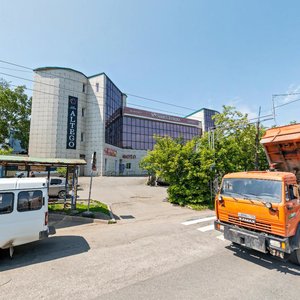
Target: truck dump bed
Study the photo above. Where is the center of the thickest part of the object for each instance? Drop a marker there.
(282, 147)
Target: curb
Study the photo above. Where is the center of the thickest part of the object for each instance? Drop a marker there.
(112, 218)
(81, 219)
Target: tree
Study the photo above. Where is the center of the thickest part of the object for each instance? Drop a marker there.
(6, 151)
(15, 108)
(191, 168)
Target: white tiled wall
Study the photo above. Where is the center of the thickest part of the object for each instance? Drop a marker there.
(48, 131)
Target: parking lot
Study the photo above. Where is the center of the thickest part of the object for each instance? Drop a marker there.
(154, 251)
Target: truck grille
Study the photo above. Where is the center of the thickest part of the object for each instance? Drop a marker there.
(260, 226)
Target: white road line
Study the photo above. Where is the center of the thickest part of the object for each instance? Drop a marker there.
(221, 237)
(206, 228)
(191, 222)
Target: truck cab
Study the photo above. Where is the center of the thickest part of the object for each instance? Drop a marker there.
(261, 209)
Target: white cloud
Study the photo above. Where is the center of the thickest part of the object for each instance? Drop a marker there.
(293, 88)
(244, 108)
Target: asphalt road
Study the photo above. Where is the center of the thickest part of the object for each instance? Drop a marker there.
(153, 252)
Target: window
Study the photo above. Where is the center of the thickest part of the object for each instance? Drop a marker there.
(83, 87)
(30, 200)
(82, 136)
(6, 203)
(128, 166)
(290, 193)
(55, 181)
(97, 87)
(83, 112)
(256, 189)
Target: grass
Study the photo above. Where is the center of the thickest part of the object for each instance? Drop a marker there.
(81, 206)
(201, 206)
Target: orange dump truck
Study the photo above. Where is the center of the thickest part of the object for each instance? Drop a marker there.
(261, 209)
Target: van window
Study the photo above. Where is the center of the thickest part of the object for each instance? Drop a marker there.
(6, 203)
(55, 181)
(30, 200)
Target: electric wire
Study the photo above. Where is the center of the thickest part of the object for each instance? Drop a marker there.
(89, 102)
(129, 94)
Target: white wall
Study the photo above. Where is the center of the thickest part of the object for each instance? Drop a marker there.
(199, 116)
(134, 170)
(95, 124)
(48, 128)
(48, 131)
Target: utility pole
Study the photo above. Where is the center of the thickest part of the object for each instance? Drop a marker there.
(211, 143)
(257, 140)
(273, 104)
(88, 213)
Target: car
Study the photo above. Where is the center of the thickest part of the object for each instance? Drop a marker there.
(22, 174)
(57, 187)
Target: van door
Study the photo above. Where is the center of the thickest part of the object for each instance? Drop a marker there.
(7, 218)
(30, 213)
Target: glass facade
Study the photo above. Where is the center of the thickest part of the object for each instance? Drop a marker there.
(113, 122)
(208, 121)
(138, 133)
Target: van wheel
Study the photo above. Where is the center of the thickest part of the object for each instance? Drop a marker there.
(295, 257)
(62, 194)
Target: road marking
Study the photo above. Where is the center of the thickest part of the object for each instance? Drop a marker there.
(206, 228)
(221, 237)
(191, 222)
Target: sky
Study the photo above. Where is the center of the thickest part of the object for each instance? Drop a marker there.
(202, 53)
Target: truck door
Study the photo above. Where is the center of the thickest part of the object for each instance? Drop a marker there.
(292, 207)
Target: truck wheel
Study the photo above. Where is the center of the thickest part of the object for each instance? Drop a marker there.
(61, 194)
(295, 257)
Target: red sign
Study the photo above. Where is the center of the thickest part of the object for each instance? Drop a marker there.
(129, 156)
(110, 152)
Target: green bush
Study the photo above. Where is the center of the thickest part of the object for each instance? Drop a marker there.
(190, 168)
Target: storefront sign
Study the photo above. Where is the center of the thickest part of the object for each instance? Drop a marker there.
(129, 156)
(110, 152)
(72, 122)
(158, 116)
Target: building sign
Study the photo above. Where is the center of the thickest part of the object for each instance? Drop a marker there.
(129, 156)
(72, 122)
(110, 152)
(158, 116)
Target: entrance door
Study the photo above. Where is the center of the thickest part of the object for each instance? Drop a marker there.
(81, 168)
(116, 167)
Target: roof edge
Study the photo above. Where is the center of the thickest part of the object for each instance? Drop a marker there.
(203, 108)
(59, 68)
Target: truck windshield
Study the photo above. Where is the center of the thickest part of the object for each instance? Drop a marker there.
(256, 189)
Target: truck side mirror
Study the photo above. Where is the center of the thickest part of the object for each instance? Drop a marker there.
(296, 190)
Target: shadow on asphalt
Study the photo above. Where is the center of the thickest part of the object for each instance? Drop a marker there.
(265, 260)
(42, 251)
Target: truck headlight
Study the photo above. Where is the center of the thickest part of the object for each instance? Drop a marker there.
(275, 243)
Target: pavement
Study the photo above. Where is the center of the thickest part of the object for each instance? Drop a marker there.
(154, 251)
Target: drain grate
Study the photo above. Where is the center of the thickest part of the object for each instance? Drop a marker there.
(127, 217)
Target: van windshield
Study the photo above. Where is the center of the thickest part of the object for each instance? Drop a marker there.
(256, 189)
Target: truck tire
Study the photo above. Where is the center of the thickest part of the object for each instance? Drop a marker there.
(295, 257)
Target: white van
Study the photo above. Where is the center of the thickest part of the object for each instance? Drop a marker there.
(23, 211)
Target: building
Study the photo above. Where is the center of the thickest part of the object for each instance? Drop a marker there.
(204, 115)
(74, 116)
